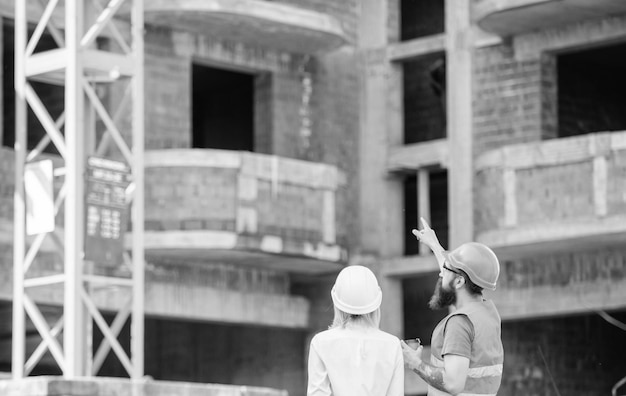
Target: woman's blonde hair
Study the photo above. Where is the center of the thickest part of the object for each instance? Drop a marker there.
(342, 319)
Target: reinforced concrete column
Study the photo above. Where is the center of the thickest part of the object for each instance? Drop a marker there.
(380, 197)
(459, 55)
(379, 194)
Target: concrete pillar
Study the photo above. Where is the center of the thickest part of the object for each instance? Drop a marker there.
(372, 141)
(380, 204)
(380, 196)
(392, 317)
(372, 152)
(459, 54)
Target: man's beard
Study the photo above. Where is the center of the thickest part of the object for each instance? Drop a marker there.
(442, 298)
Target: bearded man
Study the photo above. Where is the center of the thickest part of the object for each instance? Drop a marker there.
(466, 346)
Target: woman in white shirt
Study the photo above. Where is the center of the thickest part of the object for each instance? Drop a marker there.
(353, 357)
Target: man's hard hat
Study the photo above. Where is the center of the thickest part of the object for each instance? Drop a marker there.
(478, 261)
(356, 291)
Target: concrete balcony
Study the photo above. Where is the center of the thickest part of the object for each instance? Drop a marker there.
(243, 208)
(547, 196)
(555, 213)
(510, 17)
(256, 22)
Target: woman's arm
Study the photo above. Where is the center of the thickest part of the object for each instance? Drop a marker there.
(318, 382)
(396, 386)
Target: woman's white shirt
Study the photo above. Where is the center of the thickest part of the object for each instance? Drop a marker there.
(355, 361)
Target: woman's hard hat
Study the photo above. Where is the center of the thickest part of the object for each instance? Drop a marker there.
(356, 291)
(478, 261)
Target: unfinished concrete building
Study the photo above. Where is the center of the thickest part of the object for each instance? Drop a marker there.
(287, 139)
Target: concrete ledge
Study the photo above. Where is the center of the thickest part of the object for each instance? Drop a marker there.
(261, 166)
(271, 251)
(269, 24)
(553, 152)
(409, 265)
(58, 386)
(410, 49)
(510, 17)
(555, 236)
(411, 157)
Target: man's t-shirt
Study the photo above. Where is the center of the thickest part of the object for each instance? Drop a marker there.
(459, 333)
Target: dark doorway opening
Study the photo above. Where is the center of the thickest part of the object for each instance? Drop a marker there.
(52, 96)
(424, 90)
(223, 109)
(591, 86)
(419, 18)
(419, 319)
(438, 196)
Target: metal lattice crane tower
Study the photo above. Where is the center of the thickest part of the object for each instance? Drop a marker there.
(82, 69)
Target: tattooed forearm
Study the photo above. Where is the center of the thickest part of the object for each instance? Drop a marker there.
(432, 375)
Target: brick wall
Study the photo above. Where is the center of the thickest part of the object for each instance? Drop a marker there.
(286, 103)
(335, 131)
(489, 200)
(175, 197)
(168, 94)
(616, 170)
(549, 96)
(577, 355)
(555, 193)
(507, 98)
(263, 125)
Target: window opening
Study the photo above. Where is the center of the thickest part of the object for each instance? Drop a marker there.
(419, 18)
(424, 87)
(591, 86)
(223, 109)
(438, 216)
